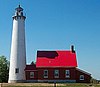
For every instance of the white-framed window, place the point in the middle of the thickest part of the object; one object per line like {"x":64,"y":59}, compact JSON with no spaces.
{"x":31,"y":74}
{"x":81,"y":77}
{"x":45,"y":73}
{"x":56,"y":73}
{"x":67,"y":73}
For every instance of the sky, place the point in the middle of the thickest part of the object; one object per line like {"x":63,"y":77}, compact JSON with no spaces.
{"x":56,"y":25}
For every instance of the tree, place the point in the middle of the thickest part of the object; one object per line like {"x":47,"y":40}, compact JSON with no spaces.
{"x":4,"y":69}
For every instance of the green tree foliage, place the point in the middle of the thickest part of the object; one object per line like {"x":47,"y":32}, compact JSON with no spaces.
{"x":4,"y":69}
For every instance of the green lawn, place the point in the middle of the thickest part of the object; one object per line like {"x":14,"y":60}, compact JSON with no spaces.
{"x":58,"y":86}
{"x":51,"y":85}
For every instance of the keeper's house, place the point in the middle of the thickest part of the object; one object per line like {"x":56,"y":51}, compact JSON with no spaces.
{"x":56,"y":66}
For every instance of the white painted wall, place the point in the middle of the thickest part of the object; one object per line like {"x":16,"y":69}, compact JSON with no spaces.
{"x":18,"y":51}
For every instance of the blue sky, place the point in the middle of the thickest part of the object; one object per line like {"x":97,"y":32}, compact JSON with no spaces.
{"x":55,"y":25}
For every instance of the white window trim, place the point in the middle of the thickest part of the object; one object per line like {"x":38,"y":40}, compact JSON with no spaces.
{"x":47,"y":74}
{"x":31,"y":74}
{"x":54,"y":74}
{"x":82,"y":77}
{"x":67,"y":76}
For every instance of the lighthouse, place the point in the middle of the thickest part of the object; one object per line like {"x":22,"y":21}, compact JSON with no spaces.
{"x":18,"y":48}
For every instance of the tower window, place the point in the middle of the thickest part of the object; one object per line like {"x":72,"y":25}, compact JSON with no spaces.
{"x":56,"y":73}
{"x":16,"y":70}
{"x":81,"y":77}
{"x":45,"y":73}
{"x":31,"y":74}
{"x":67,"y":74}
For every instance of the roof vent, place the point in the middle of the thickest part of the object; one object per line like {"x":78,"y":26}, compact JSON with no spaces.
{"x":72,"y":49}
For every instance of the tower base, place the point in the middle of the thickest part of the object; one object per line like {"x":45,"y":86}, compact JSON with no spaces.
{"x":16,"y":81}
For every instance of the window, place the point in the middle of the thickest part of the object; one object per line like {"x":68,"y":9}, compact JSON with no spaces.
{"x":67,"y":74}
{"x":16,"y":70}
{"x":56,"y":73}
{"x":81,"y":77}
{"x":45,"y":73}
{"x":31,"y":74}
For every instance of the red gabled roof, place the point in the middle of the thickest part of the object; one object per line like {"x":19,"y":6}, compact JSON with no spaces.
{"x":56,"y":59}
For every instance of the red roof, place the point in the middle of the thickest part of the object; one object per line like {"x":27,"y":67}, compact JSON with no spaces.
{"x":56,"y":59}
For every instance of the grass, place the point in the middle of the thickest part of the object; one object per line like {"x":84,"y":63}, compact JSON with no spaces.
{"x":51,"y":85}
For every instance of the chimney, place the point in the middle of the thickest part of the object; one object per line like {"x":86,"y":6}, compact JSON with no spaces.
{"x":72,"y":49}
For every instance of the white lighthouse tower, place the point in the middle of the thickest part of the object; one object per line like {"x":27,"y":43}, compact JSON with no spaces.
{"x":18,"y":50}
